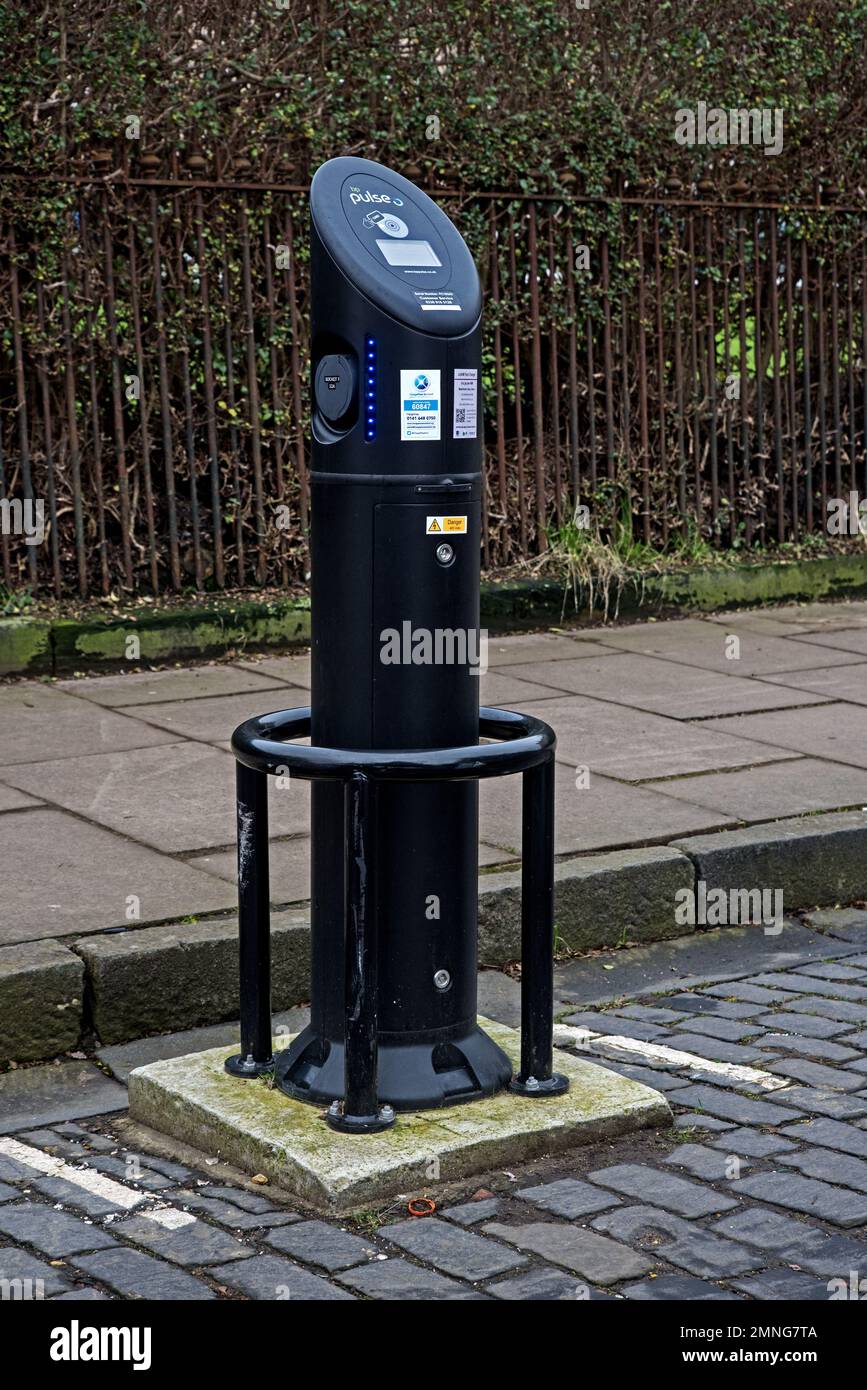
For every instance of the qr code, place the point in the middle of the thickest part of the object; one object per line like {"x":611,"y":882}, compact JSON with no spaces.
{"x":460,"y":416}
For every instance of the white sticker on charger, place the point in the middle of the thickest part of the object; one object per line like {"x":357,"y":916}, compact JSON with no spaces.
{"x":466,"y":409}
{"x":420,"y":404}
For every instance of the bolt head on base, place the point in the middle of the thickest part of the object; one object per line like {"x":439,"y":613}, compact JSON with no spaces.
{"x":554,"y":1085}
{"x":358,"y":1124}
{"x":239,"y":1065}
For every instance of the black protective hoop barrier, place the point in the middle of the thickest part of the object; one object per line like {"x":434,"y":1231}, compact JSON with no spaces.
{"x":527,"y":746}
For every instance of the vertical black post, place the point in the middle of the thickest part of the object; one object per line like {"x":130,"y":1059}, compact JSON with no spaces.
{"x":254,"y":925}
{"x":359,"y":1112}
{"x":537,"y":1077}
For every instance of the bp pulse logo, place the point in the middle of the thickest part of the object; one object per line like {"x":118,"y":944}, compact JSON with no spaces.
{"x":357,"y":196}
{"x":422,"y":382}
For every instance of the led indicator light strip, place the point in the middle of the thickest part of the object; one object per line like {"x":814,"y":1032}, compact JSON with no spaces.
{"x":369,"y":388}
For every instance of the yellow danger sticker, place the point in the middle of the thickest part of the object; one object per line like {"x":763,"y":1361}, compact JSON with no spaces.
{"x":446,"y":526}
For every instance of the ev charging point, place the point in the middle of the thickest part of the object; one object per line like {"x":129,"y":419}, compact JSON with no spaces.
{"x":395,"y":754}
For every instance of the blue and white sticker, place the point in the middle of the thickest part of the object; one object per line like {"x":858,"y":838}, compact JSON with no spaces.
{"x":420,"y":404}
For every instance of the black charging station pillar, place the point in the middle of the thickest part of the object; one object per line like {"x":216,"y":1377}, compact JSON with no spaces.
{"x":395,"y":725}
{"x":396,"y":498}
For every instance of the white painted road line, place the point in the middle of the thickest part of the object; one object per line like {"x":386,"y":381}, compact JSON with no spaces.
{"x":89,"y":1180}
{"x":569,"y":1036}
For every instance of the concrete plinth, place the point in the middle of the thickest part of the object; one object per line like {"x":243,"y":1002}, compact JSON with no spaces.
{"x":260,"y":1130}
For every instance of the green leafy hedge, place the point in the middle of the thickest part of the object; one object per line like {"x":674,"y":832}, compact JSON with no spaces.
{"x":506,"y":94}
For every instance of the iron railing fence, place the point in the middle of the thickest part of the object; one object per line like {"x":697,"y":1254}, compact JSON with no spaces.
{"x":694,"y":368}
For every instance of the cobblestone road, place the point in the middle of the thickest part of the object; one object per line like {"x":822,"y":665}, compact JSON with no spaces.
{"x":759,"y":1191}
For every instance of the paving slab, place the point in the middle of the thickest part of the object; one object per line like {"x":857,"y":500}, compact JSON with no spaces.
{"x":568,"y":1197}
{"x":852,"y":641}
{"x":846,"y":924}
{"x":847,"y":683}
{"x":831,"y":1134}
{"x":815,"y":1075}
{"x":696,"y":642}
{"x":815,"y":1049}
{"x":837,"y":615}
{"x":80,"y":1295}
{"x":770,"y":1231}
{"x":60,"y":894}
{"x":832,"y":970}
{"x":835,"y":1258}
{"x":678,"y":1241}
{"x":122,"y":1058}
{"x":787,"y":1284}
{"x":38,"y":722}
{"x":838,"y":1205}
{"x":133,"y":1274}
{"x":710,"y":1164}
{"x":835,"y":731}
{"x":37,"y":1279}
{"x":477,"y":1209}
{"x":772,"y":791}
{"x":195,"y":1100}
{"x":636,"y":746}
{"x":807,"y":1025}
{"x":452,"y":1250}
{"x":508,"y":687}
{"x":542,"y":647}
{"x":63,"y":1091}
{"x":677,"y":1288}
{"x":215,"y":719}
{"x":732,"y":1030}
{"x":13,"y":800}
{"x":596,"y":1258}
{"x":664,"y":687}
{"x":53,"y":1233}
{"x":828,"y":1166}
{"x":802,"y":986}
{"x":178,"y":683}
{"x":603,"y":814}
{"x":175,"y":798}
{"x":192,"y":1244}
{"x":400,"y":1281}
{"x":318,"y":1243}
{"x":840,"y":1009}
{"x":773,"y":622}
{"x":270,"y":1277}
{"x":293,"y":669}
{"x":661,"y":1189}
{"x":728,"y":1105}
{"x":725,"y":953}
{"x":544,"y":1286}
{"x":755,"y":1143}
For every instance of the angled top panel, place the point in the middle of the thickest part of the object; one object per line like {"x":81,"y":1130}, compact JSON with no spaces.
{"x":396,"y":246}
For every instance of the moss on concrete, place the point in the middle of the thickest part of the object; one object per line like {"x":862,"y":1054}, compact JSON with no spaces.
{"x":58,"y":645}
{"x":261,"y":1130}
{"x":25,"y":646}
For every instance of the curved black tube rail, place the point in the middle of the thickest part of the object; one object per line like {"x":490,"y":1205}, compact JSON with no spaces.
{"x":525,"y":745}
